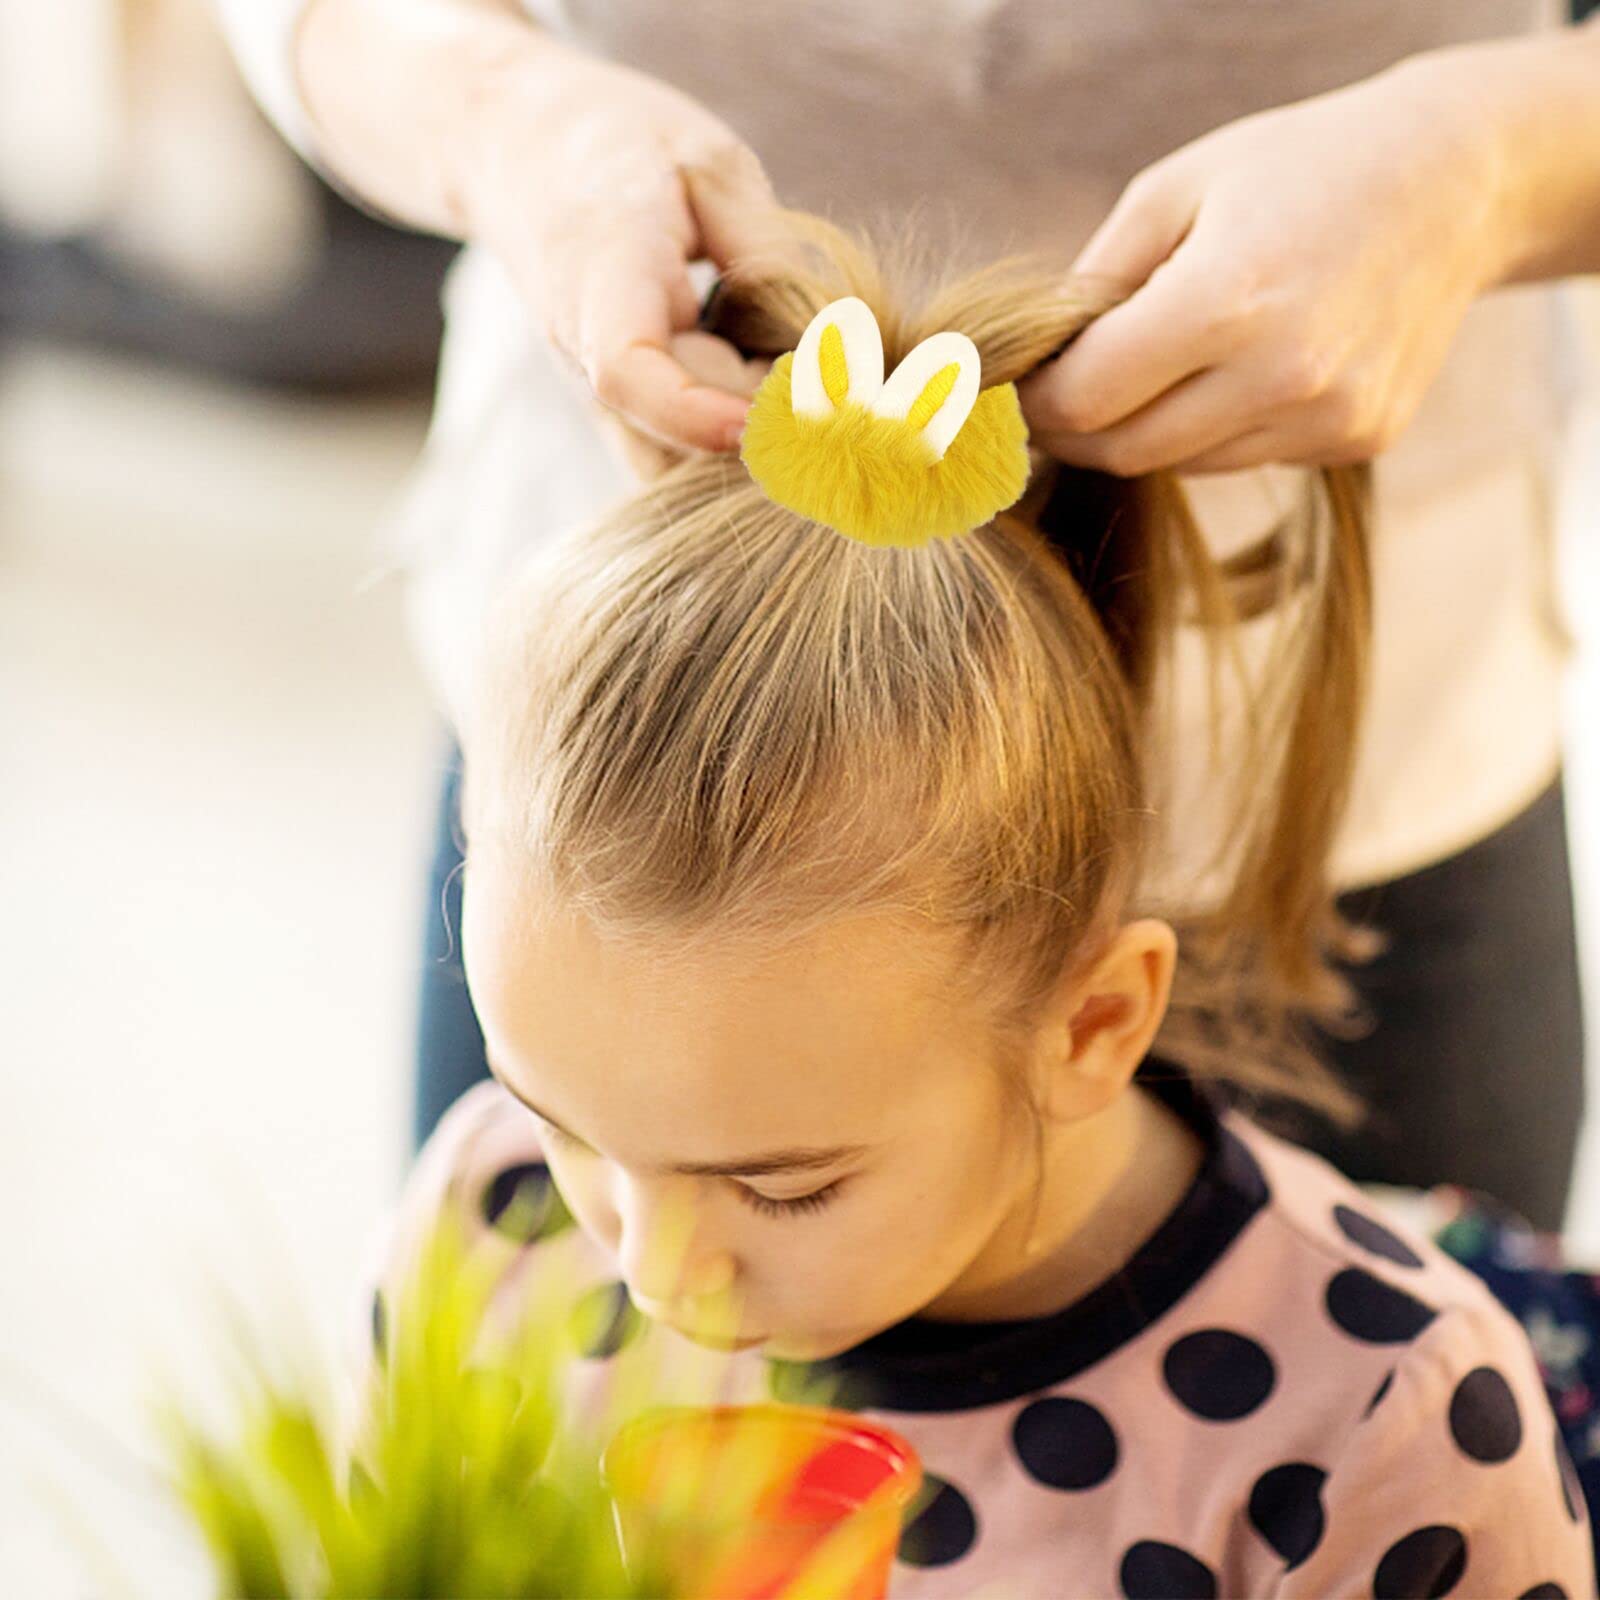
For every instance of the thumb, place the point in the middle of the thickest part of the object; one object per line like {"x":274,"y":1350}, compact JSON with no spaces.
{"x":734,"y":206}
{"x":1149,"y":221}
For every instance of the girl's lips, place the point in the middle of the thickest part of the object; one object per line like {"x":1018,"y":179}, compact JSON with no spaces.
{"x":703,"y":1336}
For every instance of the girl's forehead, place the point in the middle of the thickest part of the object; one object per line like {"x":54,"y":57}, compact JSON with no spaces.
{"x":871,"y":961}
{"x":841,"y":1023}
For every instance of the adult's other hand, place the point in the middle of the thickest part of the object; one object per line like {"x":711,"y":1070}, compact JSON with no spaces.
{"x":597,"y":185}
{"x":1297,"y":279}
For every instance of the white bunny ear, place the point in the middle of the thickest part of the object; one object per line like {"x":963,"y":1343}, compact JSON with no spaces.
{"x":934,"y":388}
{"x":839,"y":358}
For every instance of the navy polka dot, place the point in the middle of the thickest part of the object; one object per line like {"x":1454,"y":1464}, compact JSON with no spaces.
{"x":1219,"y":1375}
{"x":1571,"y":1489}
{"x":1484,"y":1420}
{"x":1544,"y":1591}
{"x":604,"y":1321}
{"x":1422,"y":1566}
{"x":380,"y":1324}
{"x":1379,"y":1393}
{"x":1373,"y":1311}
{"x":1154,"y":1571}
{"x":1374,"y":1237}
{"x":1286,"y":1509}
{"x":941,"y":1525}
{"x":524,"y":1203}
{"x":1065,"y":1444}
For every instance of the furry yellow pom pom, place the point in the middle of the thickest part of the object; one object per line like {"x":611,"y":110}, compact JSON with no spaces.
{"x":875,"y":478}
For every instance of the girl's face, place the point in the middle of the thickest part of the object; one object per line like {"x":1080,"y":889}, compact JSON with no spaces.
{"x":793,"y":1150}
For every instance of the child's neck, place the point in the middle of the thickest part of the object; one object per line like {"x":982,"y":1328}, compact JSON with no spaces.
{"x":1108,"y":1183}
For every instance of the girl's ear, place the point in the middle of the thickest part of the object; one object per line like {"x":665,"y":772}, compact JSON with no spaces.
{"x":1105,"y":1021}
{"x":839,"y":358}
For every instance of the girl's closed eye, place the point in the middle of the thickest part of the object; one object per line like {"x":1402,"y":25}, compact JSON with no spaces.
{"x":767,"y":1205}
{"x":800,"y":1205}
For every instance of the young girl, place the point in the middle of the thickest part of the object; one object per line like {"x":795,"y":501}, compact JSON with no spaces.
{"x":810,"y":914}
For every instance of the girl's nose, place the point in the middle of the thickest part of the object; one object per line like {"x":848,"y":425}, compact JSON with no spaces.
{"x":663,"y":1253}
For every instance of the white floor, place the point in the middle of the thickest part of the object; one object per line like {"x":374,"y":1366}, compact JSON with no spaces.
{"x":213,"y":818}
{"x":212,"y":825}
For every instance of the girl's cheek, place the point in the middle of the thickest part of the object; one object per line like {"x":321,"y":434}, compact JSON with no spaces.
{"x":815,"y":1264}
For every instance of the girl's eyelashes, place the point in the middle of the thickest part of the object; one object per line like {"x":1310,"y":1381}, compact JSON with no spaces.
{"x":799,"y":1206}
{"x":765,"y":1204}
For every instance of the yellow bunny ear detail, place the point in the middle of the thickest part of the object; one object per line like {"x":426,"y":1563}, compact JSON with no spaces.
{"x":929,"y":454}
{"x":934,"y":389}
{"x":839,"y":359}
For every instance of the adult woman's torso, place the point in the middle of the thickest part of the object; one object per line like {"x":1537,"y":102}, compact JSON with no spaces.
{"x":1014,"y":124}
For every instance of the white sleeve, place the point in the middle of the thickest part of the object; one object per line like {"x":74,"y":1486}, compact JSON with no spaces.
{"x":261,"y":34}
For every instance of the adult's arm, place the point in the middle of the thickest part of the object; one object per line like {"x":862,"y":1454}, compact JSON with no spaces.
{"x":1551,"y":106}
{"x":596,"y":186}
{"x":380,"y":95}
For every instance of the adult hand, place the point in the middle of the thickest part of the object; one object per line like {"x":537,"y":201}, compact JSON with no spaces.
{"x":709,"y":359}
{"x":596,"y":185}
{"x":1298,"y":277}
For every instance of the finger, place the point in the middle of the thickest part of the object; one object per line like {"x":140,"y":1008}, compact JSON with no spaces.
{"x":1278,"y":444}
{"x":1259,"y":448}
{"x":661,"y":401}
{"x":1166,"y":332}
{"x":683,"y":304}
{"x":623,"y":329}
{"x":1147,"y":223}
{"x":1202,"y":413}
{"x":1093,"y":384}
{"x":712,"y":359}
{"x":733,"y":205}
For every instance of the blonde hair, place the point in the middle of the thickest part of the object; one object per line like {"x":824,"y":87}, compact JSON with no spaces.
{"x":708,"y":716}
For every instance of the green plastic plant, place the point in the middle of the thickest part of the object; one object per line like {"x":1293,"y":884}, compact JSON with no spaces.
{"x":457,"y":1472}
{"x":459,"y":1477}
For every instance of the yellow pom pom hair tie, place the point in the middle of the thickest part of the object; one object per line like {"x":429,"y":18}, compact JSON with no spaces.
{"x":927,"y":454}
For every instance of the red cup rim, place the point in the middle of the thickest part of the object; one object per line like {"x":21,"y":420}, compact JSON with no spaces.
{"x":899,"y":1489}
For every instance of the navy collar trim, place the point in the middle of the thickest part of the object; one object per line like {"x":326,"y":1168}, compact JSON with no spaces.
{"x":920,"y":1365}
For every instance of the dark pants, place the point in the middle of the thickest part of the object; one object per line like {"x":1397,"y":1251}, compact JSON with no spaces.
{"x":1474,"y":1071}
{"x":1475,"y":1068}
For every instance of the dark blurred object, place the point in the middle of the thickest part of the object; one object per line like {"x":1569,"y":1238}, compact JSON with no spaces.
{"x":365,"y":315}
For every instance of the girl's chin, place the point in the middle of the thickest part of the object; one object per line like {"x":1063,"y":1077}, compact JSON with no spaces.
{"x":778,"y":1347}
{"x":714,"y":1341}
{"x":809,"y":1347}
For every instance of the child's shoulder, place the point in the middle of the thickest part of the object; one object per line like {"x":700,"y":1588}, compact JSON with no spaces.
{"x":483,"y":1169}
{"x":1408,"y":1393}
{"x":1349,"y":1280}
{"x":1369,"y":1246}
{"x":484,"y":1165}
{"x":486,"y":1134}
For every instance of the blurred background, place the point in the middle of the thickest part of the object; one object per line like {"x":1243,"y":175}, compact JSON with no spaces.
{"x":219,"y":759}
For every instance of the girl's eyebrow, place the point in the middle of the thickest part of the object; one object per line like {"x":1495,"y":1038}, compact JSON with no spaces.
{"x":801,"y":1158}
{"x":798,"y":1158}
